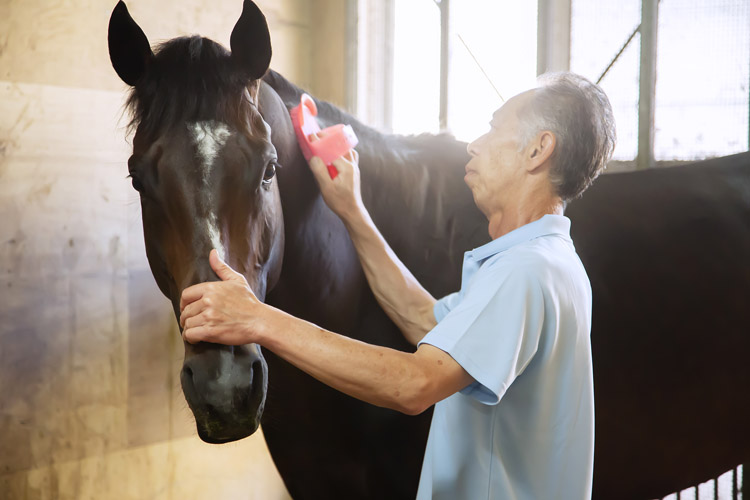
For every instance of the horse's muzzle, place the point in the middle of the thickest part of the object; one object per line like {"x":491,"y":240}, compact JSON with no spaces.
{"x":225,"y":387}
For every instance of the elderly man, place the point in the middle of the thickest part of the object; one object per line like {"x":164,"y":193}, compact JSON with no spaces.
{"x":507,"y":359}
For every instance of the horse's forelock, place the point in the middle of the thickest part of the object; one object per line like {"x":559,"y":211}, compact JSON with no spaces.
{"x":192,"y":79}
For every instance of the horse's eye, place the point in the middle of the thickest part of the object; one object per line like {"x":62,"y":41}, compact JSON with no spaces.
{"x":269,"y":173}
{"x":137,"y":184}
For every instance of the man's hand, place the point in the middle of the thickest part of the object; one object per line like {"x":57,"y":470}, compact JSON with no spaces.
{"x":342,"y":194}
{"x":397,"y":291}
{"x":224,"y":312}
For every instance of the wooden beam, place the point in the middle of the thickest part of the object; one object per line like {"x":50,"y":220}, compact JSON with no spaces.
{"x":553,"y":36}
{"x":375,"y":39}
{"x":647,"y":84}
{"x":352,"y":55}
{"x":445,"y":56}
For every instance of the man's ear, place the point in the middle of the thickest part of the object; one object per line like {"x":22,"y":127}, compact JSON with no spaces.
{"x":540,"y":150}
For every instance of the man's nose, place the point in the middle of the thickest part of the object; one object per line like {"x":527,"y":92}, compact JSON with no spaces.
{"x":472,"y":147}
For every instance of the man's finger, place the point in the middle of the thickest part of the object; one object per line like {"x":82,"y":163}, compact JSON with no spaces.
{"x":192,"y":322}
{"x":319,"y":170}
{"x":352,"y":156}
{"x":190,"y":310}
{"x":222,"y":269}
{"x":342,"y":163}
{"x":192,"y":293}
{"x":196,"y":334}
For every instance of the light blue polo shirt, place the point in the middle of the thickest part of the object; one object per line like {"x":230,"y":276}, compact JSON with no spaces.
{"x":520,"y":326}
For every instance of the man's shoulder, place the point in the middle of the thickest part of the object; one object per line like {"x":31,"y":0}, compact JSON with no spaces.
{"x":537,"y":262}
{"x":514,"y":269}
{"x":523,"y":259}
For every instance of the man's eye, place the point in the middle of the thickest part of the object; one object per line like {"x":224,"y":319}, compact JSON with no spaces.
{"x":269,"y":173}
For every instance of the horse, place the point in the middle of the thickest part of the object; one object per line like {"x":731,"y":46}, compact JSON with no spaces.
{"x":667,"y":251}
{"x":216,"y":163}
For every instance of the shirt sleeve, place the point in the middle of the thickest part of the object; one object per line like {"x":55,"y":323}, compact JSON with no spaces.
{"x":493,"y":332}
{"x":444,"y":305}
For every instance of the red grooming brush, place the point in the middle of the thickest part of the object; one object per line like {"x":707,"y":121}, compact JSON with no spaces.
{"x":334,"y":141}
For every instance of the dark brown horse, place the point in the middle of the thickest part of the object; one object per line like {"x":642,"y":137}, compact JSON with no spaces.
{"x":667,"y":253}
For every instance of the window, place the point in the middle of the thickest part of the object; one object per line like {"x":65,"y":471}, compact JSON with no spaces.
{"x":416,"y":67}
{"x":592,"y":48}
{"x":702,"y":73}
{"x":703,"y":60}
{"x":487,"y":36}
{"x":703,"y":67}
{"x":501,"y":35}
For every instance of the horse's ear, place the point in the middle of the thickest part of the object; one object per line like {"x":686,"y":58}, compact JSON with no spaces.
{"x":129,"y":49}
{"x":251,"y":42}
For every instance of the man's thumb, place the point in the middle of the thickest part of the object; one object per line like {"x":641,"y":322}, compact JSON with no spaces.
{"x":319,"y":169}
{"x":221,"y":269}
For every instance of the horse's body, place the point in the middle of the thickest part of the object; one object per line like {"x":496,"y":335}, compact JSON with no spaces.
{"x":414,"y":191}
{"x":667,"y":253}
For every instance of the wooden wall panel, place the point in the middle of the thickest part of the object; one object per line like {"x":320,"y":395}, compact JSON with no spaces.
{"x":177,"y":469}
{"x":64,"y":288}
{"x":65,"y":43}
{"x":328,"y":51}
{"x":89,"y":350}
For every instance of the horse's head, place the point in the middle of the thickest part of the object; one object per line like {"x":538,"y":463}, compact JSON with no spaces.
{"x":204,"y":166}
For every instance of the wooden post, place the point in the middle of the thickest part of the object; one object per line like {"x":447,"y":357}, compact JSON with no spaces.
{"x":352,"y":55}
{"x":445,"y":52}
{"x":389,"y":29}
{"x":553,"y":36}
{"x":373,"y":80}
{"x":647,"y":84}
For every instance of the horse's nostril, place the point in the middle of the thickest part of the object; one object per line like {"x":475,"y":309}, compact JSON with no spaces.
{"x":256,"y":369}
{"x":188,"y":372}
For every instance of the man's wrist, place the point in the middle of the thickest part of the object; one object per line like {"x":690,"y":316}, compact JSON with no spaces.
{"x":274,"y":324}
{"x":355,"y":218}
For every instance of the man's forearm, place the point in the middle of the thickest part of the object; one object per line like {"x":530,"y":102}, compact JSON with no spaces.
{"x":228,"y":312}
{"x":399,"y":293}
{"x":378,"y":375}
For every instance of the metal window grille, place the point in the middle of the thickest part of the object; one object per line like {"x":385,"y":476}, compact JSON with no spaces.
{"x":703,"y":62}
{"x":702,"y":73}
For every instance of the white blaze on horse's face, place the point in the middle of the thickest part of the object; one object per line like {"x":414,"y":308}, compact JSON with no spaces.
{"x":209,"y":138}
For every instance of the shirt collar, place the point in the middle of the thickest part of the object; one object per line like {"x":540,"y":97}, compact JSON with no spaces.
{"x":549,"y":224}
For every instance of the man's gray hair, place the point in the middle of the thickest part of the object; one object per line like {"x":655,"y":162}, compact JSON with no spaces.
{"x":580,"y":116}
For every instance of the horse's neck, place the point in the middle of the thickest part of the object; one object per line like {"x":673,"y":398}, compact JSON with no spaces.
{"x":412,"y":186}
{"x":414,"y":190}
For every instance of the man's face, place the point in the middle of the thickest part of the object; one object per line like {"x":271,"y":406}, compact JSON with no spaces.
{"x":497,"y":161}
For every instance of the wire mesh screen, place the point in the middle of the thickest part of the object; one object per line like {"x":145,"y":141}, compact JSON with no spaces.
{"x":598,"y":31}
{"x":703,"y":64}
{"x":703,"y":73}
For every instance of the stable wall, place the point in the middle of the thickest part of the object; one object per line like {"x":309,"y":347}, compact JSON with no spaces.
{"x":90,"y":402}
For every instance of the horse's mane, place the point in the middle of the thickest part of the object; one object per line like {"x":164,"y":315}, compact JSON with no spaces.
{"x":290,"y":96}
{"x":189,"y":79}
{"x":419,"y":175}
{"x":387,"y":143}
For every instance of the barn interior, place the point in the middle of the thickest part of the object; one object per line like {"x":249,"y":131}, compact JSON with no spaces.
{"x":90,"y":353}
